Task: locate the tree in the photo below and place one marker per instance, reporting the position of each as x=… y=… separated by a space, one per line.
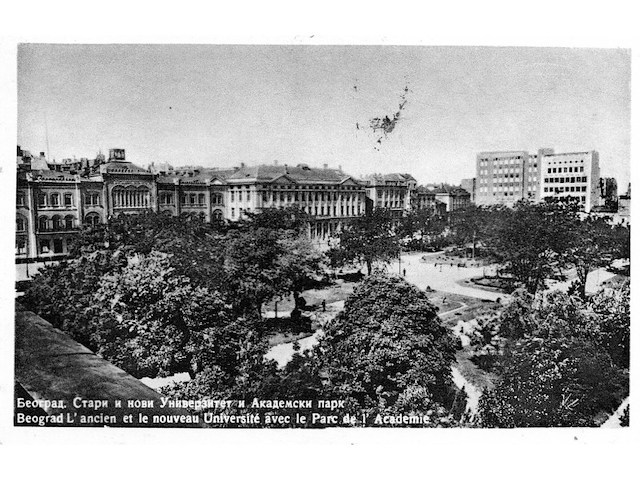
x=263 y=264
x=612 y=322
x=366 y=240
x=288 y=218
x=423 y=222
x=552 y=383
x=530 y=240
x=63 y=294
x=152 y=321
x=554 y=367
x=592 y=243
x=387 y=350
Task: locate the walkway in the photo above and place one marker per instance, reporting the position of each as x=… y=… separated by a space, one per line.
x=444 y=277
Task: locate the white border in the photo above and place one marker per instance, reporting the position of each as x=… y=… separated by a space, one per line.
x=472 y=453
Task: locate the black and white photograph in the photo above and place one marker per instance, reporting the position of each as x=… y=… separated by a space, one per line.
x=368 y=240
x=282 y=236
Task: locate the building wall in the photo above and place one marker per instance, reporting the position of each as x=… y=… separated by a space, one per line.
x=500 y=177
x=572 y=175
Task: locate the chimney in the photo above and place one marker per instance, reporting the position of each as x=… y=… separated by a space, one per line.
x=41 y=154
x=286 y=168
x=325 y=165
x=242 y=165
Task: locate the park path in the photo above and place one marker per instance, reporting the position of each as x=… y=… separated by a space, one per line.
x=283 y=353
x=445 y=277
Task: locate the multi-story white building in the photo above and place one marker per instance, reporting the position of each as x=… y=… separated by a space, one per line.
x=500 y=177
x=572 y=175
x=507 y=177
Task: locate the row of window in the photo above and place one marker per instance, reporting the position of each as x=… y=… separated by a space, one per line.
x=56 y=223
x=566 y=180
x=54 y=200
x=563 y=189
x=564 y=170
x=302 y=197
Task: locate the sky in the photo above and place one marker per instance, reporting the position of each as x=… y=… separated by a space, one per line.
x=217 y=106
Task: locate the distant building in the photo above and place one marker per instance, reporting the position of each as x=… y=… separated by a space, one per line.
x=55 y=199
x=504 y=178
x=500 y=178
x=574 y=175
x=469 y=184
x=453 y=198
x=624 y=205
x=391 y=190
x=608 y=190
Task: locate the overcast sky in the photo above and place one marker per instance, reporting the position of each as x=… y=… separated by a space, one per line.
x=222 y=105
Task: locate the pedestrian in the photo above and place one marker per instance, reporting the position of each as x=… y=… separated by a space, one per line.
x=324 y=306
x=404 y=272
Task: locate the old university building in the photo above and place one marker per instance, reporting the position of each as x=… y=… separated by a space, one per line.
x=55 y=199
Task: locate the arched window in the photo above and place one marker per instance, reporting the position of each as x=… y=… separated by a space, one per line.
x=130 y=197
x=167 y=213
x=43 y=224
x=217 y=214
x=42 y=200
x=57 y=222
x=202 y=216
x=21 y=223
x=68 y=222
x=92 y=219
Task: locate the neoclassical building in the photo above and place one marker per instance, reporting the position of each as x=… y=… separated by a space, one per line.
x=55 y=199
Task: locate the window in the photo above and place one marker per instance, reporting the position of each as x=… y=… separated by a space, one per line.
x=21 y=224
x=232 y=196
x=92 y=198
x=201 y=198
x=68 y=200
x=44 y=246
x=20 y=200
x=217 y=214
x=57 y=245
x=21 y=246
x=92 y=219
x=57 y=222
x=43 y=224
x=55 y=200
x=183 y=199
x=233 y=210
x=192 y=198
x=42 y=200
x=68 y=222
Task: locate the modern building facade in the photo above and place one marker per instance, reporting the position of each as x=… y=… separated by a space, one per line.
x=574 y=175
x=504 y=178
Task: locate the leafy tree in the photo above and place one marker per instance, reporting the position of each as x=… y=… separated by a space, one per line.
x=366 y=240
x=613 y=322
x=387 y=350
x=152 y=321
x=423 y=222
x=552 y=383
x=530 y=240
x=554 y=366
x=63 y=294
x=288 y=218
x=592 y=242
x=263 y=264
